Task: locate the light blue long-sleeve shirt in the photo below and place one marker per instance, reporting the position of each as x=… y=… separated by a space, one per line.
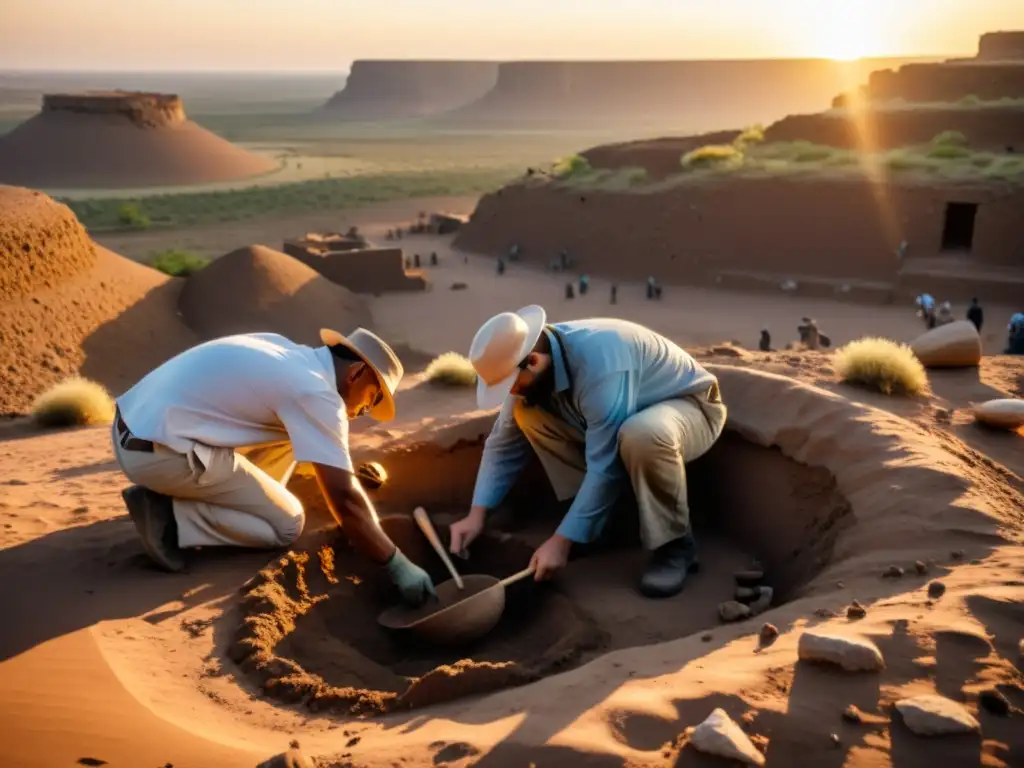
x=611 y=369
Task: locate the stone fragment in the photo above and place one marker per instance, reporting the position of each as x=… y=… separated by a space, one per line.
x=921 y=566
x=824 y=613
x=731 y=610
x=706 y=637
x=746 y=594
x=834 y=738
x=852 y=653
x=852 y=715
x=892 y=572
x=293 y=758
x=856 y=611
x=936 y=590
x=957 y=554
x=932 y=715
x=763 y=601
x=768 y=634
x=720 y=735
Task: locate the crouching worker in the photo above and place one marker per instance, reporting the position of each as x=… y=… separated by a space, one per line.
x=603 y=403
x=211 y=437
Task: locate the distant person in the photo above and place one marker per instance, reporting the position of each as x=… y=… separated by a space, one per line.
x=614 y=294
x=926 y=309
x=650 y=287
x=584 y=284
x=1015 y=335
x=433 y=259
x=569 y=292
x=606 y=406
x=416 y=260
x=944 y=315
x=901 y=253
x=513 y=252
x=211 y=437
x=810 y=337
x=501 y=266
x=976 y=314
x=765 y=343
x=563 y=259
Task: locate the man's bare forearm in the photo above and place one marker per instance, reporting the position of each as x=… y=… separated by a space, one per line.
x=354 y=512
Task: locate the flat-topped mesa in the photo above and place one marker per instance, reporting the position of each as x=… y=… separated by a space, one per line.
x=1002 y=46
x=145 y=110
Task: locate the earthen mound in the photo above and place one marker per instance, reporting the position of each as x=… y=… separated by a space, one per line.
x=259 y=289
x=68 y=306
x=119 y=140
x=378 y=90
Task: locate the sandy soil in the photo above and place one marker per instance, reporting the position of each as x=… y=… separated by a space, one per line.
x=107 y=659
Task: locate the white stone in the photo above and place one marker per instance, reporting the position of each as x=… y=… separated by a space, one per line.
x=854 y=654
x=935 y=716
x=719 y=735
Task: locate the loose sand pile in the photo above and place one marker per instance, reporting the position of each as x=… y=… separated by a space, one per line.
x=119 y=139
x=68 y=306
x=259 y=289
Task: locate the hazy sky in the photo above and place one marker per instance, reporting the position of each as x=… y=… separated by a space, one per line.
x=271 y=35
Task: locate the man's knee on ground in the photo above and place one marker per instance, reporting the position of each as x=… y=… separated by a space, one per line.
x=289 y=529
x=645 y=431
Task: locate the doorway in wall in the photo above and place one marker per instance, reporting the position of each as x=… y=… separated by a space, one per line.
x=958 y=226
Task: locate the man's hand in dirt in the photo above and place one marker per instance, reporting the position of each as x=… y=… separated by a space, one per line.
x=550 y=557
x=465 y=531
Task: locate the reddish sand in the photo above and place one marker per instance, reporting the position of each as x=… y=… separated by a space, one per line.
x=259 y=289
x=119 y=140
x=106 y=659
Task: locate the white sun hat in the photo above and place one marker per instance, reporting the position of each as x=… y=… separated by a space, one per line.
x=383 y=361
x=498 y=348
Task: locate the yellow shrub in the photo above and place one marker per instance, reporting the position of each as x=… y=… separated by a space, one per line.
x=73 y=402
x=883 y=365
x=452 y=369
x=714 y=155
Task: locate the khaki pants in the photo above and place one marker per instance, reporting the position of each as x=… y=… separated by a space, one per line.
x=238 y=498
x=654 y=445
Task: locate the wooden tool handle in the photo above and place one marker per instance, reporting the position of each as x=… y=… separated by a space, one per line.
x=423 y=521
x=516 y=577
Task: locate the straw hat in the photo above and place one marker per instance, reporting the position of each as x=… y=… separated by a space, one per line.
x=499 y=346
x=383 y=361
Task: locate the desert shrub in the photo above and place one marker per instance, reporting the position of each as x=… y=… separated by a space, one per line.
x=900 y=160
x=73 y=402
x=178 y=263
x=451 y=369
x=949 y=139
x=881 y=364
x=982 y=161
x=948 y=152
x=130 y=215
x=713 y=155
x=573 y=165
x=753 y=134
x=970 y=100
x=813 y=154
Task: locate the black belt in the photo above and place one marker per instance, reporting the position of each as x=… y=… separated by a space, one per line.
x=128 y=441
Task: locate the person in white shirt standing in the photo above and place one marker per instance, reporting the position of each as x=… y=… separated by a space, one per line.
x=211 y=437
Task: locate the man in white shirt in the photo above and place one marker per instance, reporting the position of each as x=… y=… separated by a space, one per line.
x=211 y=437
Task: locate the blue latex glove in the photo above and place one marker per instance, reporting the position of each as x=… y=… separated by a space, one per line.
x=411 y=580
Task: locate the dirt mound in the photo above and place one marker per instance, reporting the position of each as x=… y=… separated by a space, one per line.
x=378 y=90
x=259 y=289
x=991 y=128
x=41 y=243
x=119 y=140
x=74 y=307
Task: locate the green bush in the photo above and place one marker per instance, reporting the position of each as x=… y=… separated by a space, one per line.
x=713 y=155
x=451 y=369
x=949 y=139
x=130 y=215
x=982 y=161
x=178 y=263
x=753 y=134
x=948 y=152
x=573 y=165
x=970 y=100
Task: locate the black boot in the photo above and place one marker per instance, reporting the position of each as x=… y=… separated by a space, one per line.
x=154 y=520
x=669 y=567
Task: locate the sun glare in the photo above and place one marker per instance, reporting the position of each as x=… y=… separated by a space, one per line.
x=848 y=32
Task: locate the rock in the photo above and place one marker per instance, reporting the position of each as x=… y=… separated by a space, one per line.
x=834 y=738
x=954 y=345
x=707 y=637
x=920 y=567
x=840 y=585
x=763 y=602
x=993 y=701
x=936 y=590
x=854 y=654
x=731 y=610
x=957 y=554
x=824 y=613
x=856 y=611
x=932 y=715
x=293 y=758
x=943 y=415
x=746 y=594
x=720 y=735
x=852 y=715
x=1020 y=649
x=458 y=286
x=1006 y=413
x=749 y=578
x=893 y=572
x=768 y=634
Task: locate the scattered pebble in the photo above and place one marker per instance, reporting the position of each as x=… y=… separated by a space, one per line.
x=749 y=578
x=975 y=562
x=854 y=654
x=921 y=566
x=893 y=572
x=840 y=585
x=856 y=611
x=746 y=594
x=768 y=634
x=943 y=416
x=935 y=716
x=720 y=735
x=763 y=602
x=993 y=701
x=706 y=637
x=824 y=613
x=957 y=554
x=852 y=715
x=936 y=590
x=731 y=610
x=834 y=738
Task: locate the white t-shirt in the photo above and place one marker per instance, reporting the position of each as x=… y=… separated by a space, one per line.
x=241 y=391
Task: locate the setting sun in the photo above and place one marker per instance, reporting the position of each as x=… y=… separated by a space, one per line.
x=850 y=31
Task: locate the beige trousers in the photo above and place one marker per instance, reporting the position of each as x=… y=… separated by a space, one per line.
x=654 y=445
x=236 y=498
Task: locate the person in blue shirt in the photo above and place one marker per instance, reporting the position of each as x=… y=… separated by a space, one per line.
x=603 y=403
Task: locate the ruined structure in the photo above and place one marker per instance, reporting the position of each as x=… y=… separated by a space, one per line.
x=361 y=270
x=119 y=139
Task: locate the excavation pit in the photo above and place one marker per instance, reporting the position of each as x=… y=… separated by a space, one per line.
x=310 y=631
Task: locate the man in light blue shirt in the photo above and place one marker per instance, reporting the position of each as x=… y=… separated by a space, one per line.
x=603 y=402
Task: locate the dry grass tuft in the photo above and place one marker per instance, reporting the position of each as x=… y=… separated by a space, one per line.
x=451 y=369
x=74 y=402
x=881 y=364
